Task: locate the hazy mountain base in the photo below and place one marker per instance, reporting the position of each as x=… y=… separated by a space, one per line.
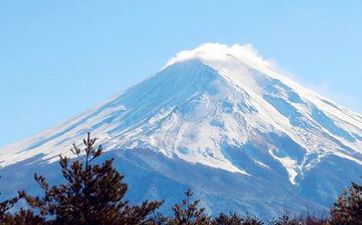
x=153 y=176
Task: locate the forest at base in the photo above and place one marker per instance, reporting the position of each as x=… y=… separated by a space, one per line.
x=93 y=194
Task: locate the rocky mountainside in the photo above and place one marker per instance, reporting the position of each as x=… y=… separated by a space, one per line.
x=221 y=120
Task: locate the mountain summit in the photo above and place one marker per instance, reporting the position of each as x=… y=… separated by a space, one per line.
x=219 y=119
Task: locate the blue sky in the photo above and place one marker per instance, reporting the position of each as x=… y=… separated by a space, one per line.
x=59 y=57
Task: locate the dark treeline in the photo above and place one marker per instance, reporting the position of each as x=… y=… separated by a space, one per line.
x=93 y=194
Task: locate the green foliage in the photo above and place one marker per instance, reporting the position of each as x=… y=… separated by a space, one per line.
x=234 y=219
x=158 y=219
x=93 y=194
x=23 y=217
x=348 y=208
x=312 y=220
x=5 y=206
x=285 y=220
x=188 y=212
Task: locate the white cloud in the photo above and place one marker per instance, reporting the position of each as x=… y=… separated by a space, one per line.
x=217 y=51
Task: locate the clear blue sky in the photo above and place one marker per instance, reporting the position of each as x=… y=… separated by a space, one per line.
x=59 y=57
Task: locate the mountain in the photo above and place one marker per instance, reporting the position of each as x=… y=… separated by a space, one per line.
x=221 y=120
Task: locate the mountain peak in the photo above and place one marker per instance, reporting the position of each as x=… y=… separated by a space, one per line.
x=213 y=110
x=205 y=102
x=241 y=64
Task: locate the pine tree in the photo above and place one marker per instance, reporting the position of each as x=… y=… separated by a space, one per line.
x=23 y=217
x=348 y=208
x=4 y=209
x=5 y=206
x=285 y=220
x=158 y=219
x=234 y=219
x=93 y=194
x=251 y=221
x=189 y=213
x=288 y=220
x=311 y=220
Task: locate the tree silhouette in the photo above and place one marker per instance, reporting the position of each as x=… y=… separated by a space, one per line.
x=189 y=213
x=93 y=194
x=234 y=219
x=285 y=220
x=348 y=208
x=23 y=217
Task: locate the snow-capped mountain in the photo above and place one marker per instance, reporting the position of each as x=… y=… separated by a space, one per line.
x=219 y=119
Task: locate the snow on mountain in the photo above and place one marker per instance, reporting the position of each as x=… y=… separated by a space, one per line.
x=225 y=108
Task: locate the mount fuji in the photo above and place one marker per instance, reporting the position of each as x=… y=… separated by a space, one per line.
x=218 y=119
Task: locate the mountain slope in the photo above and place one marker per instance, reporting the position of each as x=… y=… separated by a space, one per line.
x=221 y=116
